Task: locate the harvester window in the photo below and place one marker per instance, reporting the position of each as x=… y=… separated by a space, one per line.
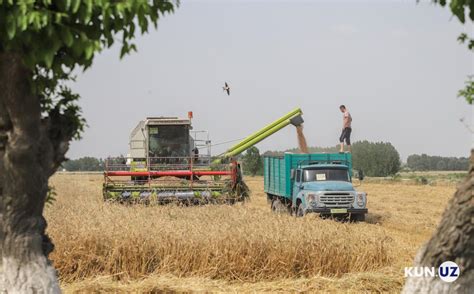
x=169 y=141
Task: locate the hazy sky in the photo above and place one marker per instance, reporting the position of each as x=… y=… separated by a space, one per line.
x=396 y=65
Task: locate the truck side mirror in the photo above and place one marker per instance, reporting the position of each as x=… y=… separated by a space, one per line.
x=361 y=175
x=292 y=174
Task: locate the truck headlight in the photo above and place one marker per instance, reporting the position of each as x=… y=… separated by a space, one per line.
x=312 y=197
x=361 y=199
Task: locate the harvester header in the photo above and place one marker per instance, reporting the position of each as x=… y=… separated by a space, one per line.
x=170 y=161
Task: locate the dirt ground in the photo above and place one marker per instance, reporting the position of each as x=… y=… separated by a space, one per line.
x=240 y=248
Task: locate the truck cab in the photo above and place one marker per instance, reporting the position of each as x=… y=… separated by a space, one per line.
x=327 y=189
x=314 y=183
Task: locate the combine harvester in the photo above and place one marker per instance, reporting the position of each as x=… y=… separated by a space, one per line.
x=166 y=164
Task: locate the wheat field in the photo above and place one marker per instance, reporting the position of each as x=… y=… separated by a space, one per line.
x=239 y=248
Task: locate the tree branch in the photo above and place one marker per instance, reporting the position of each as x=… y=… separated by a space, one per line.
x=55 y=127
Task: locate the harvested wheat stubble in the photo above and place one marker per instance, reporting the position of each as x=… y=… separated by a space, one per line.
x=301 y=139
x=216 y=241
x=240 y=248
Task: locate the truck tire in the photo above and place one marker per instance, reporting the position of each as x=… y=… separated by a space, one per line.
x=300 y=210
x=357 y=217
x=278 y=206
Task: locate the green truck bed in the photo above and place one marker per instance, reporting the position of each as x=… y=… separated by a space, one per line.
x=277 y=169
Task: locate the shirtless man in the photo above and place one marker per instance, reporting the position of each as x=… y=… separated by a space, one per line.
x=346 y=129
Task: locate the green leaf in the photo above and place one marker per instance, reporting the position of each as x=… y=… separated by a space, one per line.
x=78 y=48
x=462 y=38
x=468 y=92
x=89 y=51
x=67 y=36
x=457 y=8
x=471 y=44
x=23 y=22
x=89 y=6
x=75 y=6
x=48 y=58
x=63 y=5
x=11 y=26
x=124 y=50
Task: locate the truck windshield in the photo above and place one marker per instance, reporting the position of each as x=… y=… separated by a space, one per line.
x=330 y=174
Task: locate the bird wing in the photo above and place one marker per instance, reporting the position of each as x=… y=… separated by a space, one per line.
x=226 y=85
x=228 y=91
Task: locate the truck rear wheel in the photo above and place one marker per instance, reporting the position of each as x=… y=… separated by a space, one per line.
x=278 y=206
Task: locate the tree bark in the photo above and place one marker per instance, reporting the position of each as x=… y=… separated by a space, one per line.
x=452 y=241
x=26 y=161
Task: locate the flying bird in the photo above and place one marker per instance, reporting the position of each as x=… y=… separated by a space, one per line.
x=226 y=88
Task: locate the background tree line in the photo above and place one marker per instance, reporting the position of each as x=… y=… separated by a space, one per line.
x=84 y=164
x=88 y=163
x=376 y=159
x=426 y=162
x=379 y=159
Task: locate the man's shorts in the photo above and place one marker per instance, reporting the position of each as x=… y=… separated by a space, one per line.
x=346 y=135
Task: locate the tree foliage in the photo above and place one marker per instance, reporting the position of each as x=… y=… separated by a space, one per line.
x=312 y=149
x=468 y=92
x=461 y=8
x=425 y=162
x=41 y=43
x=375 y=159
x=252 y=162
x=53 y=37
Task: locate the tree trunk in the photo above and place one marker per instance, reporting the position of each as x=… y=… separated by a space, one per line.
x=452 y=241
x=26 y=161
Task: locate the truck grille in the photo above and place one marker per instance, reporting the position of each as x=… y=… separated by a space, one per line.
x=339 y=199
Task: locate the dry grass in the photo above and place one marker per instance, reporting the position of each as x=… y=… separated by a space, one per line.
x=241 y=248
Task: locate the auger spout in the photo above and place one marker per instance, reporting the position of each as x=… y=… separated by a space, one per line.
x=294 y=117
x=287 y=116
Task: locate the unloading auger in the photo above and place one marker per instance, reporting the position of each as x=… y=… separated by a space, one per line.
x=166 y=163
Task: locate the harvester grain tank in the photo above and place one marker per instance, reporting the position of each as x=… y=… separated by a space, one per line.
x=169 y=161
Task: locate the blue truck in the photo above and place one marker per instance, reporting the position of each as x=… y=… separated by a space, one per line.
x=314 y=183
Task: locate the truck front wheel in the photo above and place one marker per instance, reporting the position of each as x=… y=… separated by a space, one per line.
x=300 y=210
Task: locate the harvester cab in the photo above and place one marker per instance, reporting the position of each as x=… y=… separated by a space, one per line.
x=167 y=140
x=169 y=161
